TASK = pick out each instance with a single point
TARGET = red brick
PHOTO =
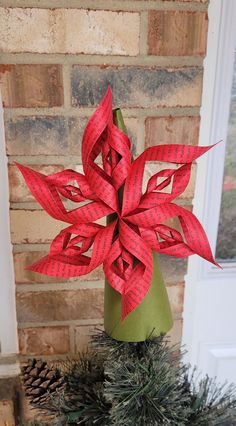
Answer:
(19, 192)
(59, 305)
(33, 226)
(176, 297)
(137, 86)
(177, 33)
(31, 85)
(44, 341)
(173, 269)
(175, 334)
(171, 130)
(192, 1)
(77, 127)
(40, 135)
(45, 135)
(69, 31)
(152, 168)
(22, 276)
(83, 335)
(7, 417)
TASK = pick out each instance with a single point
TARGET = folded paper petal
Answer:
(66, 259)
(46, 190)
(154, 195)
(179, 154)
(139, 223)
(101, 136)
(195, 237)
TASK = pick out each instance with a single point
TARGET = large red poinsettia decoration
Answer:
(137, 225)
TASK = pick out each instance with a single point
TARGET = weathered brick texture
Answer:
(69, 31)
(176, 297)
(195, 1)
(39, 135)
(169, 130)
(137, 87)
(176, 33)
(44, 341)
(33, 226)
(175, 334)
(47, 135)
(7, 417)
(23, 276)
(31, 86)
(55, 70)
(153, 168)
(173, 270)
(19, 192)
(60, 305)
(82, 335)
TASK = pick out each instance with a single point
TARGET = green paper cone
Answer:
(153, 316)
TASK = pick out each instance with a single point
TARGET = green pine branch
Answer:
(137, 384)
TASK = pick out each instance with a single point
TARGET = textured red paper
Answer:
(139, 226)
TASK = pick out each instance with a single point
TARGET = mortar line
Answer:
(68, 286)
(66, 85)
(104, 60)
(49, 358)
(108, 5)
(25, 206)
(143, 41)
(34, 206)
(43, 160)
(19, 248)
(8, 359)
(53, 359)
(84, 112)
(75, 323)
(141, 134)
(78, 322)
(72, 339)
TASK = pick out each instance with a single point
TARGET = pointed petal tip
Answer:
(218, 265)
(217, 143)
(18, 165)
(21, 167)
(109, 89)
(29, 268)
(215, 263)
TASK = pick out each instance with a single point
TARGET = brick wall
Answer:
(57, 62)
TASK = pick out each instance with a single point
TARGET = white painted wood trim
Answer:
(8, 324)
(218, 69)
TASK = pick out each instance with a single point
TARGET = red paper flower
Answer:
(138, 227)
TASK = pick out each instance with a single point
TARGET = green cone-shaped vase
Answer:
(153, 316)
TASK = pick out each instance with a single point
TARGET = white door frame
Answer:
(8, 325)
(218, 69)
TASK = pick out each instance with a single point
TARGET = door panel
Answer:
(209, 328)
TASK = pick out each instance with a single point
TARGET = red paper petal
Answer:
(45, 190)
(195, 236)
(125, 245)
(168, 153)
(71, 263)
(101, 136)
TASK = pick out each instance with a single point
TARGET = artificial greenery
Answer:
(212, 404)
(144, 383)
(136, 384)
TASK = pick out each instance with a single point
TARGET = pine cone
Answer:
(39, 380)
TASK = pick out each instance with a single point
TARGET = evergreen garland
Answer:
(137, 384)
(142, 387)
(212, 404)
